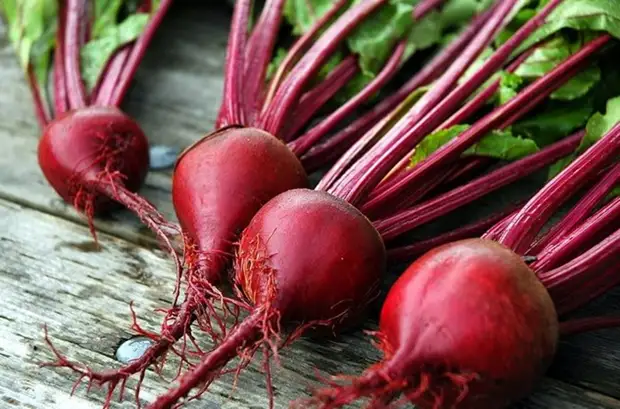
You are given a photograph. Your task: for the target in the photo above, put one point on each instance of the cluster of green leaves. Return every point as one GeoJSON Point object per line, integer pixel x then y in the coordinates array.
{"type": "Point", "coordinates": [570, 26]}
{"type": "Point", "coordinates": [497, 144]}
{"type": "Point", "coordinates": [109, 33]}
{"type": "Point", "coordinates": [33, 24]}
{"type": "Point", "coordinates": [374, 39]}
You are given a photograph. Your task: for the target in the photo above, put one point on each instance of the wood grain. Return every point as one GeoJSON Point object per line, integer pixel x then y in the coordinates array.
{"type": "Point", "coordinates": [50, 274]}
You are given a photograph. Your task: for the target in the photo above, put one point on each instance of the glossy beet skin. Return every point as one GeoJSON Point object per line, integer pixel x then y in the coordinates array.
{"type": "Point", "coordinates": [322, 255]}
{"type": "Point", "coordinates": [471, 307]}
{"type": "Point", "coordinates": [90, 145]}
{"type": "Point", "coordinates": [221, 181]}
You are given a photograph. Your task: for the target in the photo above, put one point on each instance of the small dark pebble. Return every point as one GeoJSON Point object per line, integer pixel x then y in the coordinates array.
{"type": "Point", "coordinates": [163, 157]}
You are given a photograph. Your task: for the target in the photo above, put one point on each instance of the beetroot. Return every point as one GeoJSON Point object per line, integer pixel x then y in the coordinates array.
{"type": "Point", "coordinates": [443, 331]}
{"type": "Point", "coordinates": [224, 179]}
{"type": "Point", "coordinates": [88, 153]}
{"type": "Point", "coordinates": [303, 248]}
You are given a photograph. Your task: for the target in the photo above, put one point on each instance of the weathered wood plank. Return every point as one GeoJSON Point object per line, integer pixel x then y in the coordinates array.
{"type": "Point", "coordinates": [49, 274]}
{"type": "Point", "coordinates": [175, 97]}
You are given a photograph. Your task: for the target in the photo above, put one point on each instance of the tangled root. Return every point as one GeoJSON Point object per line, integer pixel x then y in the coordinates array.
{"type": "Point", "coordinates": [384, 387]}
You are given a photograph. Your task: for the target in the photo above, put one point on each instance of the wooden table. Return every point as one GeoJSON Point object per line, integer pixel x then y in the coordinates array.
{"type": "Point", "coordinates": [51, 272]}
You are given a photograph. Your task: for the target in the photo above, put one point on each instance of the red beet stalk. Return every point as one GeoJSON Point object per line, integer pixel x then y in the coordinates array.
{"type": "Point", "coordinates": [432, 209]}
{"type": "Point", "coordinates": [578, 213]}
{"type": "Point", "coordinates": [338, 143]}
{"type": "Point", "coordinates": [397, 193]}
{"type": "Point", "coordinates": [501, 116]}
{"type": "Point", "coordinates": [232, 109]}
{"type": "Point", "coordinates": [471, 230]}
{"type": "Point", "coordinates": [301, 145]}
{"type": "Point", "coordinates": [565, 281]}
{"type": "Point", "coordinates": [524, 227]}
{"type": "Point", "coordinates": [314, 99]}
{"type": "Point", "coordinates": [580, 238]}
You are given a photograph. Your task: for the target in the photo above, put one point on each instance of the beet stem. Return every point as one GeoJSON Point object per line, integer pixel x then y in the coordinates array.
{"type": "Point", "coordinates": [393, 188]}
{"type": "Point", "coordinates": [314, 99]}
{"type": "Point", "coordinates": [41, 110]}
{"type": "Point", "coordinates": [495, 231]}
{"type": "Point", "coordinates": [578, 326]}
{"type": "Point", "coordinates": [585, 268]}
{"type": "Point", "coordinates": [579, 238]}
{"type": "Point", "coordinates": [337, 144]}
{"type": "Point", "coordinates": [104, 91]}
{"type": "Point", "coordinates": [365, 174]}
{"type": "Point", "coordinates": [424, 7]}
{"type": "Point", "coordinates": [60, 83]}
{"type": "Point", "coordinates": [289, 92]}
{"type": "Point", "coordinates": [479, 100]}
{"type": "Point", "coordinates": [301, 45]}
{"type": "Point", "coordinates": [137, 53]}
{"type": "Point", "coordinates": [260, 50]}
{"type": "Point", "coordinates": [409, 219]}
{"type": "Point", "coordinates": [523, 229]}
{"type": "Point", "coordinates": [578, 213]}
{"type": "Point", "coordinates": [232, 110]}
{"type": "Point", "coordinates": [471, 230]}
{"type": "Point", "coordinates": [432, 109]}
{"type": "Point", "coordinates": [305, 142]}
{"type": "Point", "coordinates": [499, 118]}
{"type": "Point", "coordinates": [75, 19]}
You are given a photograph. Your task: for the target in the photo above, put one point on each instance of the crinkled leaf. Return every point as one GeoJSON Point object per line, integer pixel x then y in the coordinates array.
{"type": "Point", "coordinates": [554, 120]}
{"type": "Point", "coordinates": [503, 145]}
{"type": "Point", "coordinates": [434, 141]}
{"type": "Point", "coordinates": [598, 125]}
{"type": "Point", "coordinates": [581, 15]}
{"type": "Point", "coordinates": [455, 12]}
{"type": "Point", "coordinates": [497, 144]}
{"type": "Point", "coordinates": [509, 85]}
{"type": "Point", "coordinates": [424, 34]}
{"type": "Point", "coordinates": [579, 85]}
{"type": "Point", "coordinates": [105, 15]}
{"type": "Point", "coordinates": [374, 39]}
{"type": "Point", "coordinates": [32, 28]}
{"type": "Point", "coordinates": [96, 53]}
{"type": "Point", "coordinates": [549, 55]}
{"type": "Point", "coordinates": [302, 14]}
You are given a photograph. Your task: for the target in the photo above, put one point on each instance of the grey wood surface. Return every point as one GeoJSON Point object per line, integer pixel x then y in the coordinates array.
{"type": "Point", "coordinates": [51, 274]}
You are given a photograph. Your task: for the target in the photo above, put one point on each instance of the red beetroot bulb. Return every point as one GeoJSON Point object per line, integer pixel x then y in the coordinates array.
{"type": "Point", "coordinates": [88, 151]}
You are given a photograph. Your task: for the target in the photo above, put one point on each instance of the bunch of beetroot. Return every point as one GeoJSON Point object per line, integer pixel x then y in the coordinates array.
{"type": "Point", "coordinates": [315, 258]}
{"type": "Point", "coordinates": [222, 180]}
{"type": "Point", "coordinates": [309, 258]}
